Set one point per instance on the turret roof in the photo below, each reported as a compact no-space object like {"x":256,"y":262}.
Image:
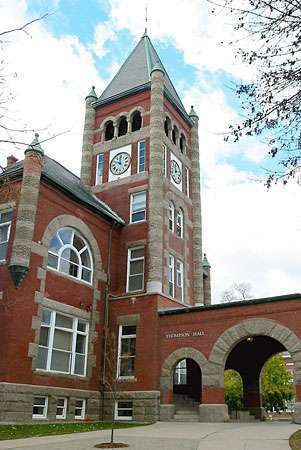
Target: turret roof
{"x":135,"y":75}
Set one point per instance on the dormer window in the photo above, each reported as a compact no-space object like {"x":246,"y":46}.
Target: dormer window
{"x":109,"y":130}
{"x":122,"y":126}
{"x":136,"y":121}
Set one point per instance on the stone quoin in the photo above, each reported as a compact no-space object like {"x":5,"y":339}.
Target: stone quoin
{"x":103,"y":280}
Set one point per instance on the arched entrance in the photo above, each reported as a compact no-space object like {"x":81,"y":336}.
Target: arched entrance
{"x":181,"y":379}
{"x":245,"y":348}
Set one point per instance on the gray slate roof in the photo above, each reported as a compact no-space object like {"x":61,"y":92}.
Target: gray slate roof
{"x":135,"y":73}
{"x":70,"y":184}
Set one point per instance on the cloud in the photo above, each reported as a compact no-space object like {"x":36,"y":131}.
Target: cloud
{"x":102,"y":34}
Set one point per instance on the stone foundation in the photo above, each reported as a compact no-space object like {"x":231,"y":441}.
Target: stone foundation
{"x":16,"y":402}
{"x":145,"y":404}
{"x":214,"y":413}
{"x":167,"y":412}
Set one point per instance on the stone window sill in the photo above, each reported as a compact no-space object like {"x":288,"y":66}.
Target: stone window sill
{"x":59,"y":374}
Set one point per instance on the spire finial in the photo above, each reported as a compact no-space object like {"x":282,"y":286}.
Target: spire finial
{"x":146,"y":20}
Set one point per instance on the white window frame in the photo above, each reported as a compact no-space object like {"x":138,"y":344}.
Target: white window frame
{"x":117,"y":417}
{"x":119,"y":356}
{"x":99,"y":180}
{"x":64,"y":407}
{"x":140,"y":158}
{"x":128,"y":268}
{"x":133,"y":195}
{"x":180,"y":223}
{"x":187,"y":173}
{"x":78,"y":253}
{"x":171,"y":275}
{"x":44,"y":415}
{"x":83,"y":408}
{"x":2,"y":225}
{"x":171,"y":216}
{"x":180,"y":279}
{"x":74,"y":331}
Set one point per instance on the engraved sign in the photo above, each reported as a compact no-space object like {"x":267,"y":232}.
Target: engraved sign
{"x":184,"y":334}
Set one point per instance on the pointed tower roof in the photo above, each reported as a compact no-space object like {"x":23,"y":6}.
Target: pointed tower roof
{"x":135,"y":75}
{"x":35,"y":145}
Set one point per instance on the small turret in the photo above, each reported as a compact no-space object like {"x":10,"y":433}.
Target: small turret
{"x":88,"y":134}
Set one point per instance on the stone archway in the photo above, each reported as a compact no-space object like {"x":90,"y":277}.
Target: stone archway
{"x":167,"y":407}
{"x":255,"y":327}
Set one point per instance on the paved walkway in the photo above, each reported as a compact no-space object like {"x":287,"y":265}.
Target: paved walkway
{"x":173,"y":436}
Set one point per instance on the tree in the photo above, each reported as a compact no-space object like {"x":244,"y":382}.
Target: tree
{"x":233,"y":390}
{"x":237,"y":292}
{"x":277,"y":384}
{"x":269,"y":39}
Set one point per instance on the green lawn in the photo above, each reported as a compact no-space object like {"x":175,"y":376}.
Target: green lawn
{"x":47,"y":429}
{"x":295,"y":440}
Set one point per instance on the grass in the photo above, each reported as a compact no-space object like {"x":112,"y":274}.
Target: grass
{"x":295,"y":440}
{"x":47,"y":429}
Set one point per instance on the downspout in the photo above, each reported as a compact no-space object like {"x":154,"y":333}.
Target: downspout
{"x":102,"y":378}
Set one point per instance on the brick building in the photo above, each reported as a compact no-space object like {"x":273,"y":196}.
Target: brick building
{"x":107,"y":271}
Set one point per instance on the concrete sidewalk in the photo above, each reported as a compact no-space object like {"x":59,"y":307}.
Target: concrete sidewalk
{"x":173,"y":436}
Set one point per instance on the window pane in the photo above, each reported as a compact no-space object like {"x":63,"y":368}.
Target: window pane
{"x":135,"y":282}
{"x":44,"y":336}
{"x":127,"y":367}
{"x":86,"y":275}
{"x":52,"y":261}
{"x":138,"y":216}
{"x":125,"y":405}
{"x":128,"y":329}
{"x":70,"y":255}
{"x":6,"y":217}
{"x":55,"y":244}
{"x":39,"y":401}
{"x":137,"y":267}
{"x":4,"y":233}
{"x":125,"y":412}
{"x":46,"y":315}
{"x":42,"y":358}
{"x":60,"y":361}
{"x":38,"y":410}
{"x":139,"y":201}
{"x":85,"y":258}
{"x":128,"y":346}
{"x":81,"y":326}
{"x":66,"y":235}
{"x":68,"y":268}
{"x":63,"y":321}
{"x":80,"y":343}
{"x":3,"y":249}
{"x":137,"y":253}
{"x":78,"y":242}
{"x":79,"y":364}
{"x":60,"y":402}
{"x":62,"y":340}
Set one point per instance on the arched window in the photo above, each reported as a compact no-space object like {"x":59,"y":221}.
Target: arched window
{"x":122,"y":126}
{"x":175,"y":135}
{"x":182,"y":143}
{"x":69,"y":253}
{"x":136,"y":121}
{"x":167,"y":126}
{"x":109,"y":130}
{"x":180,"y":223}
{"x":171,"y":216}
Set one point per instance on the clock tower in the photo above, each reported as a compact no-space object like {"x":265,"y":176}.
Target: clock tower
{"x":141,"y":157}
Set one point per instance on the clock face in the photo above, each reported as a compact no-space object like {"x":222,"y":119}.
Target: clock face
{"x":176,"y":172}
{"x":120,"y":163}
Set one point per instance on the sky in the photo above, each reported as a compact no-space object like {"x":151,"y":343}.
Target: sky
{"x":249,"y":234}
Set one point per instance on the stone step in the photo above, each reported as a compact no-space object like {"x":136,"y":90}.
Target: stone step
{"x":187,"y":411}
{"x":186,"y":418}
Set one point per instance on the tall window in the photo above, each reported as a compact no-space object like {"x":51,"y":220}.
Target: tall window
{"x":126,"y":351}
{"x":141,"y":156}
{"x":40,"y":406}
{"x":109,"y":130}
{"x":80,"y":409}
{"x":180,"y":223}
{"x":138,"y":207}
{"x":171,"y":275}
{"x":5,"y":223}
{"x":122,"y":126}
{"x":180,"y":374}
{"x":63,"y":343}
{"x":135,"y":271}
{"x":99,"y":170}
{"x":187,"y":183}
{"x":180,"y":280}
{"x":69,"y":253}
{"x":171,"y":216}
{"x":136,"y":121}
{"x":61,"y":408}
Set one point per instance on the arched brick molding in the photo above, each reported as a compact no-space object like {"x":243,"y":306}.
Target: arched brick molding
{"x":265,"y":327}
{"x":166,"y":379}
{"x":67,"y":220}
